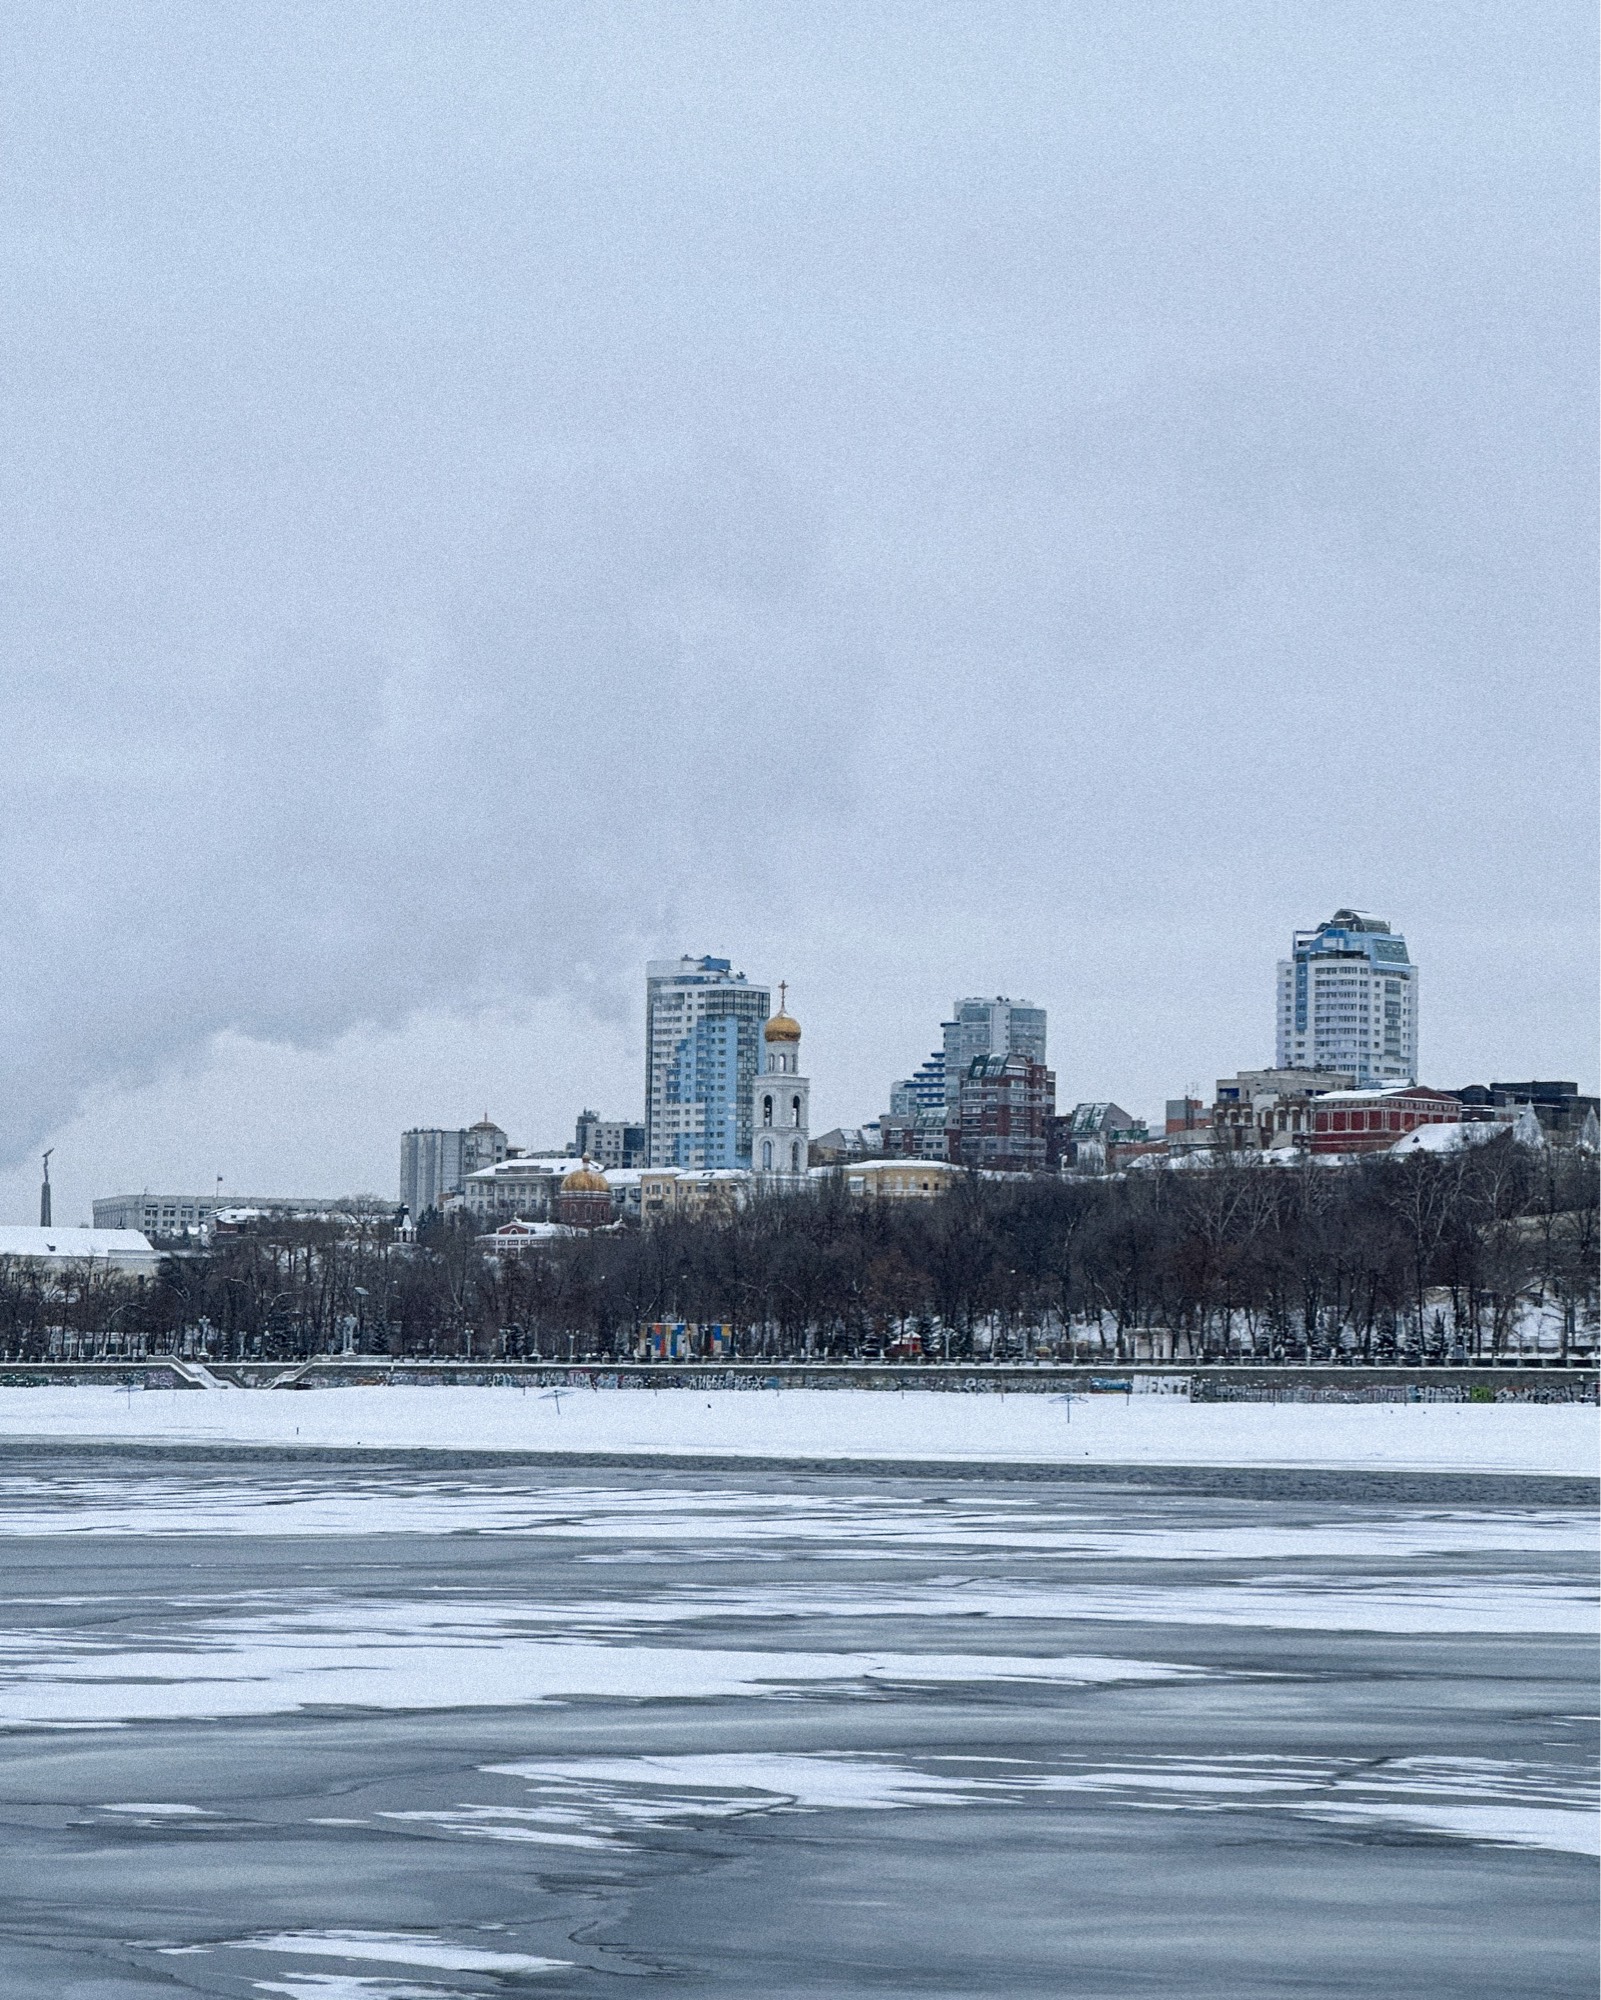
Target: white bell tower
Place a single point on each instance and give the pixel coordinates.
(780, 1101)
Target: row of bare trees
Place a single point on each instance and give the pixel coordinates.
(1466, 1256)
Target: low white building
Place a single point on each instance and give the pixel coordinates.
(522, 1188)
(126, 1251)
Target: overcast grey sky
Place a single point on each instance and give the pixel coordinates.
(921, 499)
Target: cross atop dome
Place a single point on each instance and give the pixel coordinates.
(782, 1026)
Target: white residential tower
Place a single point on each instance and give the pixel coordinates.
(703, 1024)
(1348, 1000)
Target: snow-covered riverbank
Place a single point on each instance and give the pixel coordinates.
(841, 1424)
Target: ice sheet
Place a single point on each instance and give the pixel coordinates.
(399, 1502)
(1317, 1603)
(1301, 1603)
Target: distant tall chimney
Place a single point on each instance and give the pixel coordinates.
(44, 1193)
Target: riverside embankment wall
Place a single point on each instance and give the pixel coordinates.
(1217, 1381)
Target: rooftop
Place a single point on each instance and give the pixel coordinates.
(698, 971)
(1379, 1090)
(547, 1165)
(115, 1246)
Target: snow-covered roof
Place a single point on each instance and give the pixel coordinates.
(1455, 1136)
(1203, 1157)
(1378, 1090)
(1448, 1138)
(129, 1249)
(525, 1164)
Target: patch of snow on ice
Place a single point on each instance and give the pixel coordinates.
(600, 1802)
(350, 1986)
(396, 1948)
(160, 1812)
(1496, 1826)
(425, 1656)
(611, 1796)
(1478, 1799)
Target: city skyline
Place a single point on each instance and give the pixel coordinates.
(543, 1131)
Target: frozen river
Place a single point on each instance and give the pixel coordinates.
(368, 1731)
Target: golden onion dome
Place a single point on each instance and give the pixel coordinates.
(782, 1026)
(584, 1179)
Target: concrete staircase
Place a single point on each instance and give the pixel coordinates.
(197, 1373)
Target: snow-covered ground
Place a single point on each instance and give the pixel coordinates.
(841, 1424)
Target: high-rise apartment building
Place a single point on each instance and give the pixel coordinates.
(430, 1167)
(914, 1126)
(483, 1145)
(609, 1142)
(998, 1027)
(703, 1040)
(436, 1160)
(1004, 1108)
(923, 1090)
(1348, 1000)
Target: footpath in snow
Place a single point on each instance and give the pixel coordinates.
(843, 1424)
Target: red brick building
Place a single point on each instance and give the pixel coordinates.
(1004, 1108)
(1369, 1121)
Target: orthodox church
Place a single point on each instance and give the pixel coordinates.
(780, 1107)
